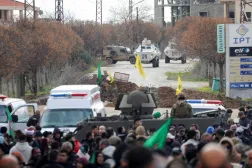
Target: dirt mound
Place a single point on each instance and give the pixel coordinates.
(167, 97)
(110, 91)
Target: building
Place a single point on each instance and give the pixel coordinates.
(9, 7)
(182, 8)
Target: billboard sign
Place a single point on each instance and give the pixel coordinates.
(221, 38)
(239, 59)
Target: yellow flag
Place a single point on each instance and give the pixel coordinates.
(139, 66)
(111, 79)
(179, 88)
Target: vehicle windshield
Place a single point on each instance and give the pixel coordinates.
(3, 116)
(128, 50)
(64, 117)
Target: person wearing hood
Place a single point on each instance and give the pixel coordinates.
(228, 144)
(108, 155)
(57, 135)
(121, 131)
(181, 109)
(140, 132)
(23, 148)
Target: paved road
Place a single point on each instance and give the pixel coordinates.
(155, 76)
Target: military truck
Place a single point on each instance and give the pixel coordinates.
(112, 54)
(148, 53)
(139, 104)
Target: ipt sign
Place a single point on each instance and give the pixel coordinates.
(240, 35)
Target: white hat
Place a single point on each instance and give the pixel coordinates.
(170, 136)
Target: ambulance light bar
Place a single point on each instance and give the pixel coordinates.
(69, 95)
(203, 101)
(2, 97)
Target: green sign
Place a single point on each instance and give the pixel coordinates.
(221, 38)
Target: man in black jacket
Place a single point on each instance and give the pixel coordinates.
(33, 120)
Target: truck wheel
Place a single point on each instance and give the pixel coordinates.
(183, 60)
(157, 63)
(114, 62)
(132, 60)
(109, 60)
(154, 63)
(167, 59)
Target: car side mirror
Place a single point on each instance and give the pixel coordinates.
(14, 118)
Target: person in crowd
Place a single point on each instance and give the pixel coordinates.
(2, 150)
(191, 136)
(9, 161)
(68, 147)
(114, 140)
(180, 137)
(3, 130)
(219, 134)
(229, 134)
(228, 144)
(140, 132)
(52, 160)
(63, 159)
(244, 121)
(206, 138)
(213, 155)
(20, 159)
(177, 161)
(191, 155)
(23, 148)
(137, 122)
(249, 160)
(57, 135)
(181, 109)
(95, 131)
(248, 112)
(36, 159)
(110, 132)
(37, 140)
(138, 157)
(170, 143)
(33, 120)
(83, 152)
(102, 129)
(82, 162)
(121, 131)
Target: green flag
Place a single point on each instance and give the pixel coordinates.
(159, 137)
(11, 132)
(92, 160)
(99, 74)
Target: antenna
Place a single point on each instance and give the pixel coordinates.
(59, 10)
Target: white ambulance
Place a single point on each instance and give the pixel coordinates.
(70, 104)
(19, 110)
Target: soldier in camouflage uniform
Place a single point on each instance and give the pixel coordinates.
(181, 109)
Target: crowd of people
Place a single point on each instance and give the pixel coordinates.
(219, 146)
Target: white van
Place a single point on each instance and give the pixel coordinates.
(19, 110)
(70, 104)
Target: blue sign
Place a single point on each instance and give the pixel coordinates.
(246, 73)
(240, 85)
(241, 40)
(243, 66)
(246, 59)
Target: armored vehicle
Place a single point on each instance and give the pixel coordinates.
(171, 53)
(141, 105)
(148, 53)
(112, 54)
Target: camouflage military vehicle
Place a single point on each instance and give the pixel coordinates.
(140, 104)
(112, 54)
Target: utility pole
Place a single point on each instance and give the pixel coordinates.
(98, 12)
(130, 22)
(59, 10)
(29, 9)
(137, 19)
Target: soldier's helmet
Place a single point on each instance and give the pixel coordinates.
(181, 96)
